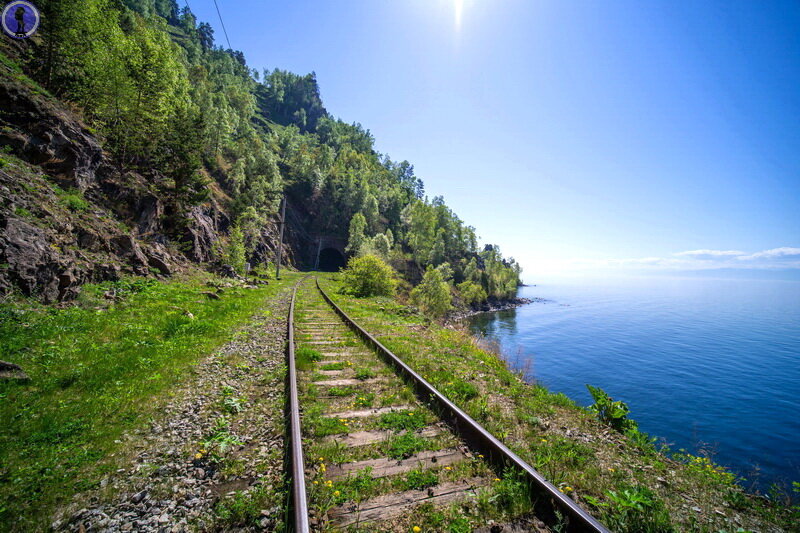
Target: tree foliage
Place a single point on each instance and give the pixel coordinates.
(369, 276)
(432, 295)
(152, 80)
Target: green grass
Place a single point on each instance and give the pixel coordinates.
(341, 391)
(405, 445)
(419, 479)
(244, 509)
(356, 487)
(324, 426)
(333, 366)
(403, 420)
(96, 373)
(305, 357)
(364, 373)
(72, 199)
(21, 211)
(364, 400)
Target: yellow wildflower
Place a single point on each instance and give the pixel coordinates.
(447, 468)
(416, 529)
(497, 479)
(198, 456)
(336, 493)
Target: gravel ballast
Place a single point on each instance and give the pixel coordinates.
(213, 457)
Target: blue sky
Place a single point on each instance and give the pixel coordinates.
(579, 136)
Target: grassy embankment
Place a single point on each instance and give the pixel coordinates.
(626, 482)
(99, 369)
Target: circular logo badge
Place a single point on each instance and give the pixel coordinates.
(20, 19)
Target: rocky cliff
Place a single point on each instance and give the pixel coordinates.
(70, 215)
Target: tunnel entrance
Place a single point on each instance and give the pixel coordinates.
(331, 260)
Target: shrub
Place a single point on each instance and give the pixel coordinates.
(634, 509)
(73, 200)
(432, 295)
(369, 276)
(613, 413)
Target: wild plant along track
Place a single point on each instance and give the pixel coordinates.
(381, 454)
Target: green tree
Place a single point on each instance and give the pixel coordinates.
(432, 295)
(372, 214)
(181, 152)
(234, 253)
(356, 239)
(471, 292)
(206, 34)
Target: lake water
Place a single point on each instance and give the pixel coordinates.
(711, 364)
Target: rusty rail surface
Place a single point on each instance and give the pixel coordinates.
(551, 501)
(299, 501)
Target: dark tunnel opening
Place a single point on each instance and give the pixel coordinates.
(331, 260)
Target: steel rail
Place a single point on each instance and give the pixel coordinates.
(299, 500)
(480, 439)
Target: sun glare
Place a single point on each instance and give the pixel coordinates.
(459, 5)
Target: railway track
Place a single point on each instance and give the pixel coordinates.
(374, 447)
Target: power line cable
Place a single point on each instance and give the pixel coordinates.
(223, 25)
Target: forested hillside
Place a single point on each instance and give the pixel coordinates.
(205, 133)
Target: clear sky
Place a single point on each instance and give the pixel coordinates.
(625, 135)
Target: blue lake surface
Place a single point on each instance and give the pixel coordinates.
(702, 363)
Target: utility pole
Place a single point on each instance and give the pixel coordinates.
(280, 241)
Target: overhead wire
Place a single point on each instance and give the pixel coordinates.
(219, 13)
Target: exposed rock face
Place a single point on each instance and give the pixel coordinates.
(125, 246)
(201, 233)
(47, 136)
(122, 223)
(33, 265)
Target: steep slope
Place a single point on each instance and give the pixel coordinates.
(71, 215)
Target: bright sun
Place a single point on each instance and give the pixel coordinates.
(459, 5)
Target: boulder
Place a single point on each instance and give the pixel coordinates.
(12, 372)
(158, 258)
(127, 247)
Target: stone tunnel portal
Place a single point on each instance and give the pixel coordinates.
(331, 260)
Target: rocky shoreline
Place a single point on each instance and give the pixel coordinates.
(493, 307)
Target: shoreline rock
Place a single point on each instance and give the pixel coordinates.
(494, 307)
